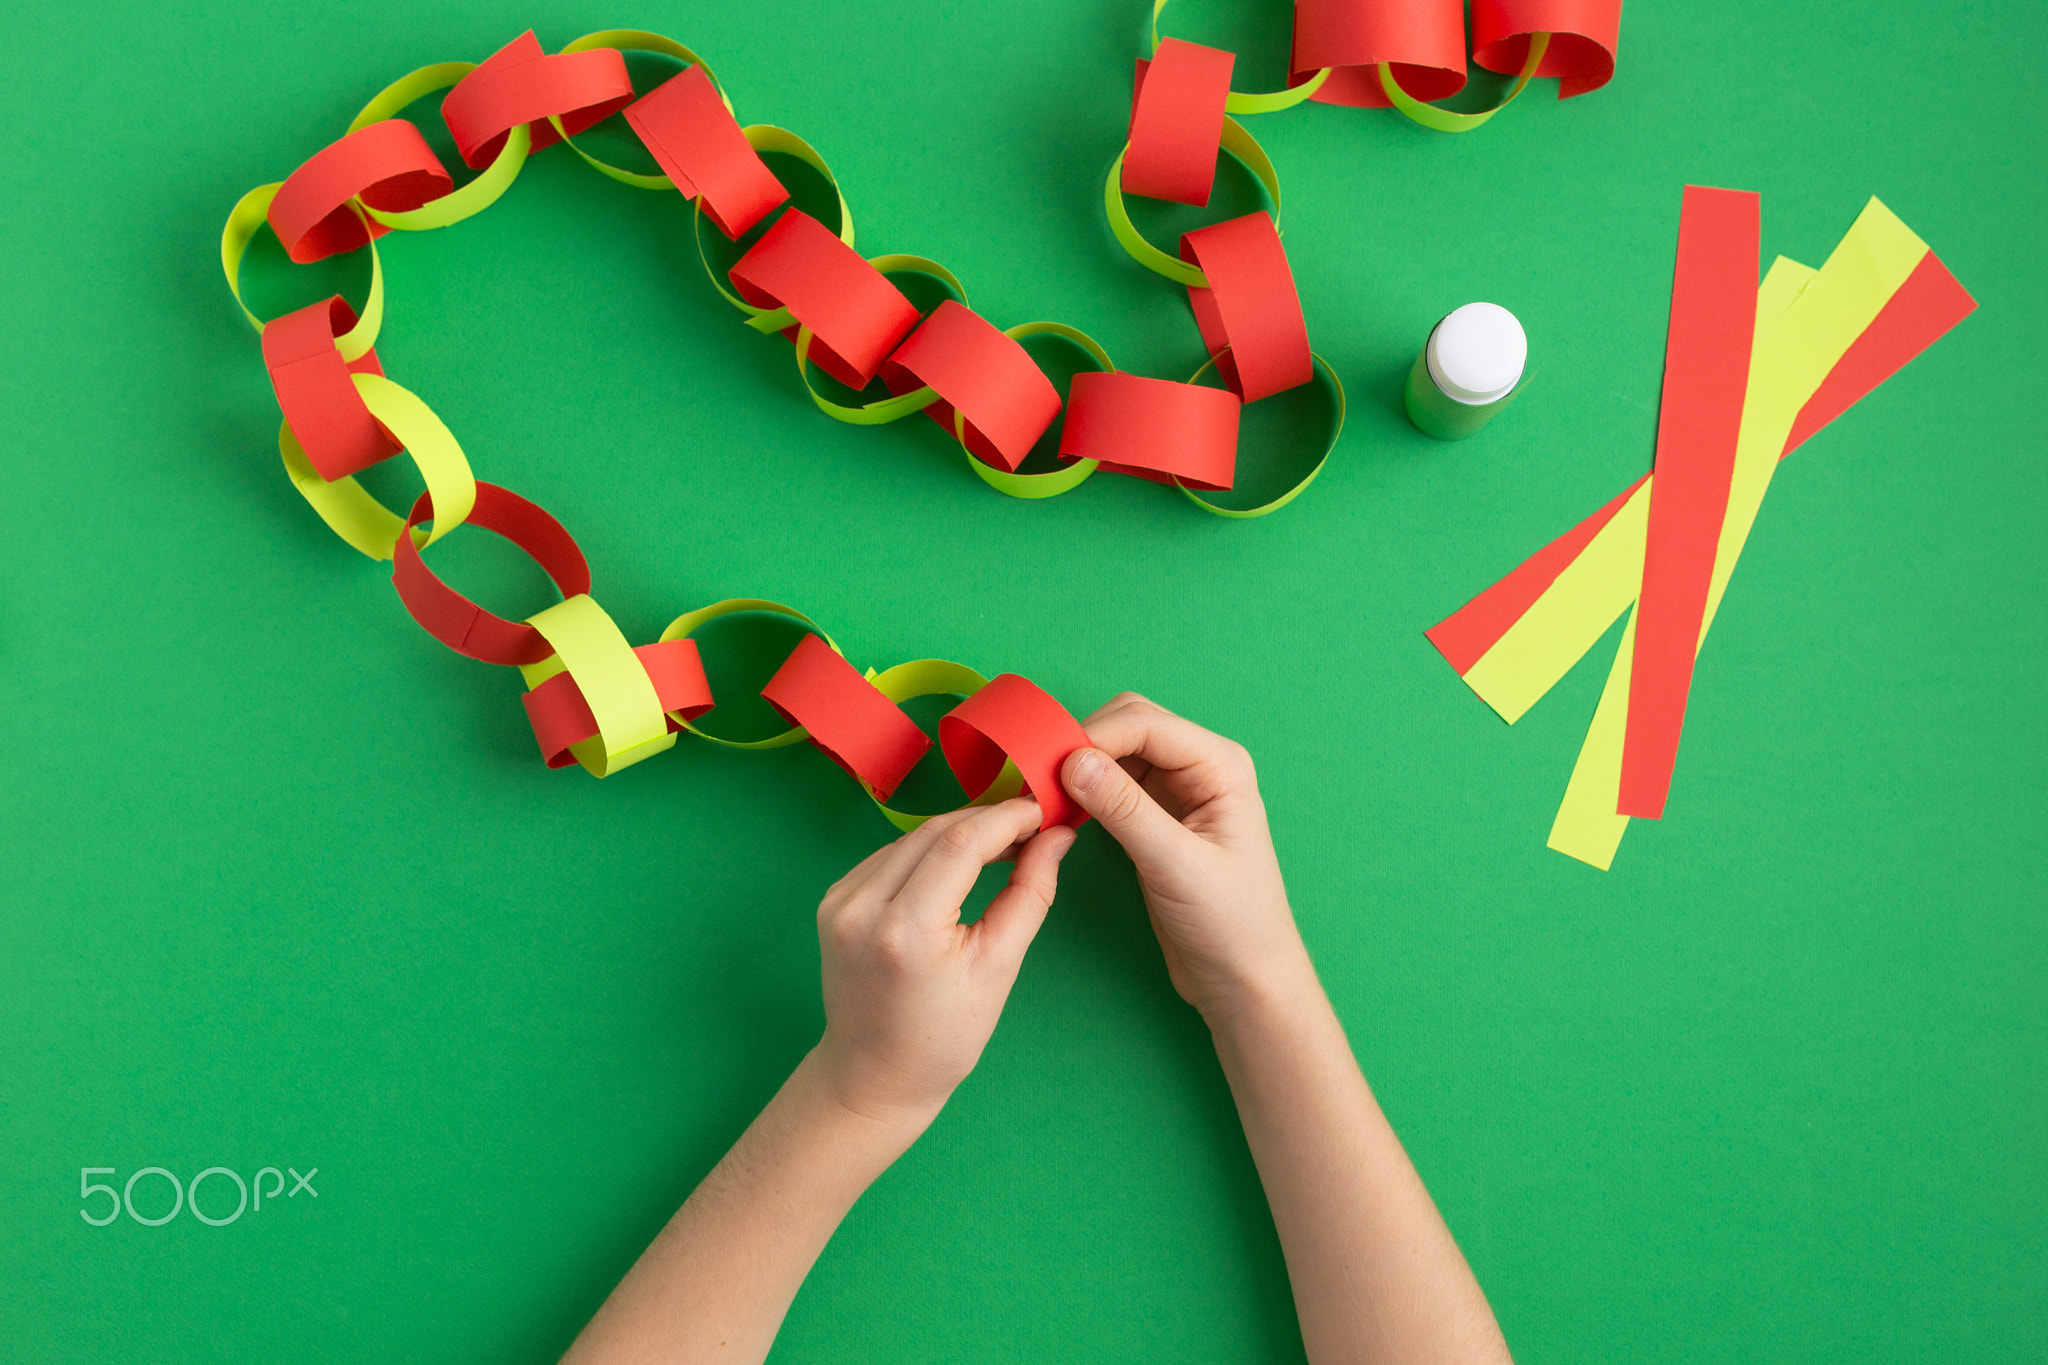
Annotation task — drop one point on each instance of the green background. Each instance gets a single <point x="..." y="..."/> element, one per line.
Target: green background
<point x="285" y="885"/>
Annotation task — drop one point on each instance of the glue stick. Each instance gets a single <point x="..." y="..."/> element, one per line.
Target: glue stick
<point x="1467" y="371"/>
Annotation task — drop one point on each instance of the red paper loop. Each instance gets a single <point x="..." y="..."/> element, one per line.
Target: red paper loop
<point x="561" y="717"/>
<point x="388" y="165"/>
<point x="461" y="624"/>
<point x="1424" y="40"/>
<point x="1583" y="37"/>
<point x="855" y="315"/>
<point x="1153" y="428"/>
<point x="519" y="83"/>
<point x="1250" y="315"/>
<point x="1012" y="717"/>
<point x="1177" y="122"/>
<point x="698" y="145"/>
<point x="320" y="405"/>
<point x="854" y="724"/>
<point x="989" y="377"/>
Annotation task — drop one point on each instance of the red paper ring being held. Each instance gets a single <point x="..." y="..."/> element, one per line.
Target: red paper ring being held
<point x="1424" y="40"/>
<point x="1250" y="315"/>
<point x="1177" y="122"/>
<point x="519" y="83"/>
<point x="988" y="376"/>
<point x="855" y="315"/>
<point x="561" y="717"/>
<point x="324" y="410"/>
<point x="387" y="165"/>
<point x="1012" y="716"/>
<point x="461" y="624"/>
<point x="1153" y="428"/>
<point x="1583" y="37"/>
<point x="854" y="724"/>
<point x="700" y="147"/>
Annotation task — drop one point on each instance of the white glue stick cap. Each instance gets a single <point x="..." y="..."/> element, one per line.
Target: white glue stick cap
<point x="1476" y="354"/>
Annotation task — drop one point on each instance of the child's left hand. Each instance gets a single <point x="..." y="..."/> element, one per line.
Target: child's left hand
<point x="911" y="994"/>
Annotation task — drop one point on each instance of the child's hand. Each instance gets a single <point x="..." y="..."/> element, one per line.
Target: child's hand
<point x="1185" y="805"/>
<point x="911" y="994"/>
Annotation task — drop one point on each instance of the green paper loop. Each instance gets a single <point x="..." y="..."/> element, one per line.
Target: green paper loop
<point x="1239" y="144"/>
<point x="1336" y="432"/>
<point x="1449" y="120"/>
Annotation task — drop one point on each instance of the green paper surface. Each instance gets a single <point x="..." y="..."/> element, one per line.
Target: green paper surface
<point x="285" y="884"/>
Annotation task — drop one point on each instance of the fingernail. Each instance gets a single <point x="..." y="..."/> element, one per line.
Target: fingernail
<point x="1089" y="765"/>
<point x="1063" y="837"/>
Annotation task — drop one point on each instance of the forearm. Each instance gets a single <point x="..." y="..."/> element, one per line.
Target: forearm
<point x="715" y="1283"/>
<point x="1376" y="1274"/>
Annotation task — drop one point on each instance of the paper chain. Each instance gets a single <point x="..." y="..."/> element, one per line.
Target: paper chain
<point x="596" y="700"/>
<point x="1743" y="388"/>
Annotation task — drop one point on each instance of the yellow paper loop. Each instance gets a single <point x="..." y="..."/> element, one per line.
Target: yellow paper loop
<point x="1336" y="431"/>
<point x="882" y="410"/>
<point x="1236" y="103"/>
<point x="466" y="200"/>
<point x="249" y="214"/>
<point x="590" y="647"/>
<point x="689" y="622"/>
<point x="1449" y="120"/>
<point x="768" y="138"/>
<point x="633" y="40"/>
<point x="349" y="511"/>
<point x="432" y="446"/>
<point x="1053" y="482"/>
<point x="1239" y="144"/>
<point x="929" y="678"/>
<point x="393" y="98"/>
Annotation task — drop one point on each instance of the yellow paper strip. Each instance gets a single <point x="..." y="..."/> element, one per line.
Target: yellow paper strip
<point x="1587" y="827"/>
<point x="1569" y="618"/>
<point x="1819" y="322"/>
<point x="1589" y="596"/>
<point x="590" y="647"/>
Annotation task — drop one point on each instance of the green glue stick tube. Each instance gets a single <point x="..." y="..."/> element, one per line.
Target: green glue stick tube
<point x="1467" y="371"/>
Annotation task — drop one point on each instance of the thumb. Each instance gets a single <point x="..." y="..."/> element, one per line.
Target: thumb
<point x="1006" y="928"/>
<point x="1109" y="794"/>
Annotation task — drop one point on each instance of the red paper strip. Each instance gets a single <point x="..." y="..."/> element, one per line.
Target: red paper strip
<point x="699" y="145"/>
<point x="1177" y="122"/>
<point x="993" y="381"/>
<point x="461" y="624"/>
<point x="1706" y="370"/>
<point x="1912" y="319"/>
<point x="1583" y="37"/>
<point x="854" y="724"/>
<point x="388" y="165"/>
<point x="1250" y="315"/>
<point x="1012" y="716"/>
<point x="1466" y="634"/>
<point x="1153" y="428"/>
<point x="855" y="314"/>
<point x="1423" y="39"/>
<point x="1918" y="314"/>
<point x="561" y="717"/>
<point x="320" y="405"/>
<point x="519" y="83"/>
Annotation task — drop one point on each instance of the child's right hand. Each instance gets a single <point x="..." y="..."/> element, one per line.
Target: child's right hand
<point x="1185" y="805"/>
